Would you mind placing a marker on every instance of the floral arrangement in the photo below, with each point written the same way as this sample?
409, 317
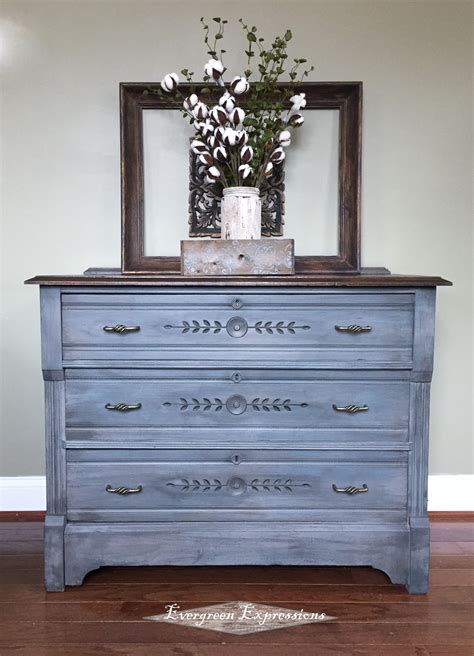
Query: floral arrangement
237, 146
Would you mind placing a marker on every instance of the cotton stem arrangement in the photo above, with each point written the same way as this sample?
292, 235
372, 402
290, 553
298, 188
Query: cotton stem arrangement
245, 134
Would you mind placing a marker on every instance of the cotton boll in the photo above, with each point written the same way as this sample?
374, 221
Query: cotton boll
190, 102
239, 85
214, 69
242, 137
198, 146
298, 101
219, 134
214, 173
229, 137
200, 111
207, 129
206, 158
219, 115
246, 154
220, 154
170, 82
268, 170
284, 138
296, 120
227, 102
237, 116
245, 170
278, 155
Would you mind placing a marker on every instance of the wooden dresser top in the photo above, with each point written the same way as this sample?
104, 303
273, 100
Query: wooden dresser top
373, 277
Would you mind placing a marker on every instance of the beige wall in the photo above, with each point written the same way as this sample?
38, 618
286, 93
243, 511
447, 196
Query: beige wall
61, 65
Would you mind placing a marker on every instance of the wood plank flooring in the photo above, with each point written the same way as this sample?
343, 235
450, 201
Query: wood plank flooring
104, 616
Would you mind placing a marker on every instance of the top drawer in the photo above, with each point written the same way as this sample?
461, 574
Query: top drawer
331, 328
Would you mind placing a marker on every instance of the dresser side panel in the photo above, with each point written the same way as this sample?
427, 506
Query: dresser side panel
55, 451
424, 333
51, 333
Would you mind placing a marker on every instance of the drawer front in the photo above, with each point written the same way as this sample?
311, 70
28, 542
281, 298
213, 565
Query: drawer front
216, 480
200, 399
323, 327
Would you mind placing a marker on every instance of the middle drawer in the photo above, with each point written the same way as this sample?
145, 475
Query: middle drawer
247, 399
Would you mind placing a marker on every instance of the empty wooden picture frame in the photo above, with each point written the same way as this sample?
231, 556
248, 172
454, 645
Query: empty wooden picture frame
343, 97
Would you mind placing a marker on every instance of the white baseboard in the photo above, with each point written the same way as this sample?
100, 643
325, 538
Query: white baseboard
22, 493
445, 492
450, 492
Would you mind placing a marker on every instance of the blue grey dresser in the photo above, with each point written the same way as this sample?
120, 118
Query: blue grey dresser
235, 422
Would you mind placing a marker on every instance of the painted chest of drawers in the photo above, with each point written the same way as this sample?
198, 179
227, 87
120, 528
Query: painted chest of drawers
237, 424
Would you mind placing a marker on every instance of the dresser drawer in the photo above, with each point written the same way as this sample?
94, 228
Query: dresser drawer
332, 328
225, 480
211, 399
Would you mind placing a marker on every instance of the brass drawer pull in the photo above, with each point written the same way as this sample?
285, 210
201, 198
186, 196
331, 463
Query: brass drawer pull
121, 329
123, 491
352, 409
351, 489
353, 329
123, 407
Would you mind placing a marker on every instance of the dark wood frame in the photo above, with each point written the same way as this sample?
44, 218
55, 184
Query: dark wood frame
344, 96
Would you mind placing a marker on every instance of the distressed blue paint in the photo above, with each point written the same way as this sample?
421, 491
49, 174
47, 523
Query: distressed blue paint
237, 386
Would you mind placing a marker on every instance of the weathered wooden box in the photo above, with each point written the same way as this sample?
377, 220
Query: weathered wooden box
243, 257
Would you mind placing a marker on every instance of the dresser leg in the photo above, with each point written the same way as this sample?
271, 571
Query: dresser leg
54, 552
419, 555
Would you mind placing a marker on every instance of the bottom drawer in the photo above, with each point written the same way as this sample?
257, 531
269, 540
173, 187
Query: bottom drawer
196, 484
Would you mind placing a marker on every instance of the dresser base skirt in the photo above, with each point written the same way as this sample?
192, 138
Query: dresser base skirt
401, 551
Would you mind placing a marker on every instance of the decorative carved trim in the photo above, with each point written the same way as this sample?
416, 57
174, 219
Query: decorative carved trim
278, 485
237, 485
276, 404
279, 327
236, 404
196, 327
194, 485
196, 404
268, 327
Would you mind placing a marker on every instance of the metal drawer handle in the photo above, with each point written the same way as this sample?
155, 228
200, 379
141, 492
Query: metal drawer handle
353, 329
350, 408
351, 489
123, 407
123, 491
121, 329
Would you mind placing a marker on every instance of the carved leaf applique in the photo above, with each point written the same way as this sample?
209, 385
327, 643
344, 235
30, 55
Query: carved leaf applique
266, 485
269, 327
266, 404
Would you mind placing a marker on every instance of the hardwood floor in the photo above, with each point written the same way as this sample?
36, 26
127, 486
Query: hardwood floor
104, 616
